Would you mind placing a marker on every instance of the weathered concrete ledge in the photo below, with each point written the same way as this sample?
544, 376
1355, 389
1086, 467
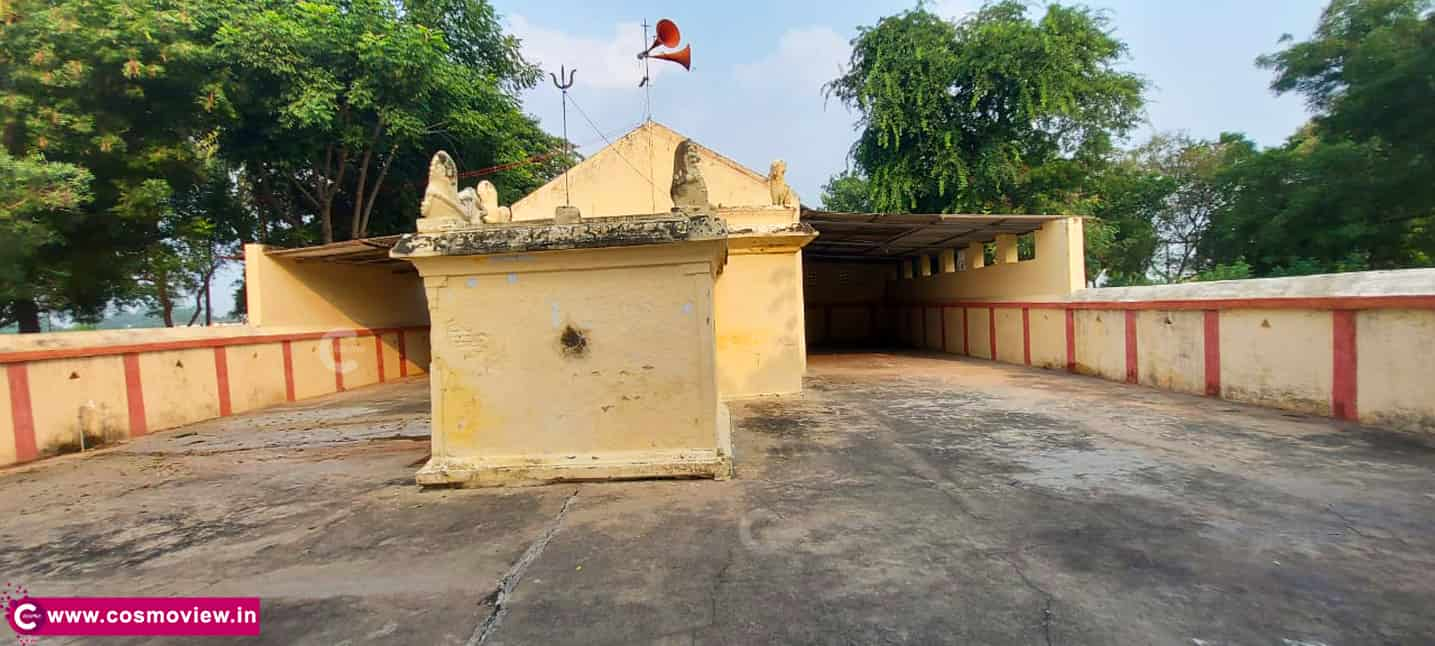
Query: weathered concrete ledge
770, 238
547, 235
477, 472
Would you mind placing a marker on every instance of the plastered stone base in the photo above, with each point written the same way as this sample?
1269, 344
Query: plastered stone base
523, 471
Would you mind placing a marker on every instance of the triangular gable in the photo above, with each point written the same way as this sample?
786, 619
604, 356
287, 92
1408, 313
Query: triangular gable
633, 175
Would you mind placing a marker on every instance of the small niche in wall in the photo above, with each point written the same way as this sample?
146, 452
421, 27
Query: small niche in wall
1026, 247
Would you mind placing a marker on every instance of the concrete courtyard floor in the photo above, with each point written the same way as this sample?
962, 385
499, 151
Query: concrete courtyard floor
902, 499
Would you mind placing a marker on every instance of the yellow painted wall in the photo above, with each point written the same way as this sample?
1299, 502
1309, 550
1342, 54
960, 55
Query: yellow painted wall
180, 386
256, 376
1057, 270
510, 393
1171, 350
761, 345
634, 176
391, 355
58, 392
313, 368
979, 332
1048, 339
1009, 339
360, 361
1279, 358
1101, 343
933, 328
285, 292
1396, 368
417, 345
954, 330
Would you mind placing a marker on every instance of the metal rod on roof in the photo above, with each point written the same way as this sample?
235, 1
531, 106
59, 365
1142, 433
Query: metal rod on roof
567, 146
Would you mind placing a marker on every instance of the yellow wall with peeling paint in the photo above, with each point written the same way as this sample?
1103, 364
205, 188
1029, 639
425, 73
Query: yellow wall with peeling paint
593, 363
1396, 368
1279, 358
1171, 350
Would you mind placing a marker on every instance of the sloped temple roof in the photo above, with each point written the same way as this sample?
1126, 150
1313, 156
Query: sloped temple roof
882, 237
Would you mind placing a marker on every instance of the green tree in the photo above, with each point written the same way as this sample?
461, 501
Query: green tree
119, 89
998, 113
1356, 189
331, 97
1121, 237
847, 192
1191, 172
1312, 206
36, 199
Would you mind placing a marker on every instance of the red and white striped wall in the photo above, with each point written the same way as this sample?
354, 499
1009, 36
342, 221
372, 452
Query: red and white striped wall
125, 390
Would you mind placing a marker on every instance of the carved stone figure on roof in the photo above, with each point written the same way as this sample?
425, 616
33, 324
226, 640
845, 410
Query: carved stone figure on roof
689, 192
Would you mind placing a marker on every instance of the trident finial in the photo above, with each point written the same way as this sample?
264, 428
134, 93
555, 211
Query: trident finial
563, 86
558, 83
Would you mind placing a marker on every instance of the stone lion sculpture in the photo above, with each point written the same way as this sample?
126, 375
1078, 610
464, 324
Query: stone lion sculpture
689, 192
782, 194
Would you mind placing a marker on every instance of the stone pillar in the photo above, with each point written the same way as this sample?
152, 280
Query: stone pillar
948, 260
907, 268
1061, 252
1006, 249
976, 255
924, 263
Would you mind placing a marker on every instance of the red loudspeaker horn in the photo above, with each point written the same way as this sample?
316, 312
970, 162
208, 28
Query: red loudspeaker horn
682, 57
667, 36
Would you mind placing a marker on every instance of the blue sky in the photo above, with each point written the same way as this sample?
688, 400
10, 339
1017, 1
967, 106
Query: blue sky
754, 91
758, 66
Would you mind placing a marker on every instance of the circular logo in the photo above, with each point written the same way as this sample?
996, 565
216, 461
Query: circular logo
25, 616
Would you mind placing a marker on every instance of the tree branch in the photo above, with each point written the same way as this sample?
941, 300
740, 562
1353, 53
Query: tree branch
378, 182
356, 222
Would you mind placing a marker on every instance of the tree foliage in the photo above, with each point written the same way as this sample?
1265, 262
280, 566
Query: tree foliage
115, 88
37, 197
1356, 189
997, 113
332, 96
847, 192
197, 125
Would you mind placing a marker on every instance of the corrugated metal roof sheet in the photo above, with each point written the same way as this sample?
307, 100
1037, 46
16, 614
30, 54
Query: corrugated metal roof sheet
885, 236
363, 251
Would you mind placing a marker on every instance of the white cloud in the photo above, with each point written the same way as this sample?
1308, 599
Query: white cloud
805, 59
601, 63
